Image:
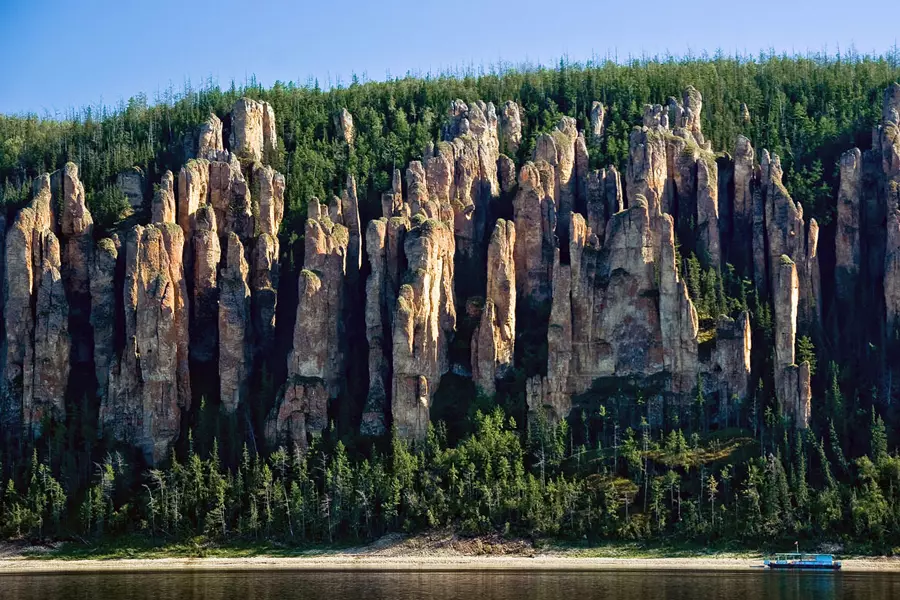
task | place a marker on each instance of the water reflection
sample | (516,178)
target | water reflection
(608,585)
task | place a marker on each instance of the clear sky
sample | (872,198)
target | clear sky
(56,55)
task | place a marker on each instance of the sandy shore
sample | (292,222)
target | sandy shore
(408,563)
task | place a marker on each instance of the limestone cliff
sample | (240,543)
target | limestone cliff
(493,343)
(584,262)
(316,364)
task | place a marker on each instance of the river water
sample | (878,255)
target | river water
(483,585)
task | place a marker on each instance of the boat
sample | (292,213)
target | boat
(803,562)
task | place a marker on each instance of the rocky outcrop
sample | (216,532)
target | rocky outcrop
(708,240)
(162,209)
(350,212)
(343,123)
(792,382)
(36,316)
(786,235)
(268,191)
(103,311)
(234,325)
(510,127)
(316,365)
(193,192)
(892,273)
(378,333)
(424,322)
(744,240)
(598,115)
(230,199)
(726,373)
(76,228)
(619,312)
(253,130)
(647,170)
(493,342)
(534,215)
(847,242)
(557,149)
(209,145)
(475,148)
(206,252)
(133,185)
(143,406)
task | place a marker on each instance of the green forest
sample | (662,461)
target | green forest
(747,478)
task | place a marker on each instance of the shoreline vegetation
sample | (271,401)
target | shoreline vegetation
(436,551)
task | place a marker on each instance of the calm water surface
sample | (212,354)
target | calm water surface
(609,585)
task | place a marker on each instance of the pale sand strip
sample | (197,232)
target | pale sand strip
(409,563)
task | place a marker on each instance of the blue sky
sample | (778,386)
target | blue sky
(56,55)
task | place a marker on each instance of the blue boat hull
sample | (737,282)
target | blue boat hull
(808,567)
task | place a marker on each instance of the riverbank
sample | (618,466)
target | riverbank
(25,565)
(434,551)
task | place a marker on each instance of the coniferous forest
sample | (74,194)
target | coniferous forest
(670,457)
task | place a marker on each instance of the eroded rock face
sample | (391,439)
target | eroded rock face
(619,311)
(511,127)
(230,198)
(378,333)
(103,311)
(36,316)
(598,114)
(143,405)
(234,325)
(343,122)
(162,209)
(253,130)
(206,252)
(493,343)
(892,272)
(557,149)
(535,217)
(210,144)
(647,170)
(76,229)
(727,372)
(475,148)
(847,249)
(792,383)
(424,322)
(708,240)
(786,235)
(316,365)
(743,208)
(193,192)
(133,185)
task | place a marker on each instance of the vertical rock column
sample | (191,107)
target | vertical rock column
(493,342)
(36,316)
(253,131)
(847,249)
(103,312)
(424,322)
(708,240)
(316,365)
(535,221)
(792,383)
(234,325)
(510,127)
(742,214)
(143,405)
(76,228)
(888,141)
(264,267)
(377,330)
